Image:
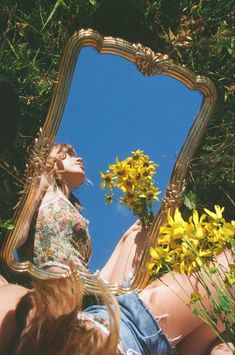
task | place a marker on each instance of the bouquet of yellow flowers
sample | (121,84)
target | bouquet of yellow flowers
(134,178)
(191,248)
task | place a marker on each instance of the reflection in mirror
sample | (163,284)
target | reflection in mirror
(112,109)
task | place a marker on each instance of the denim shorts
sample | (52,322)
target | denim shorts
(139,331)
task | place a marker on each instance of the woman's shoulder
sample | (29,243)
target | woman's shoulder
(54,199)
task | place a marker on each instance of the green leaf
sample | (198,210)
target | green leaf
(6,225)
(57,4)
(190,200)
(224,302)
(216,309)
(196,311)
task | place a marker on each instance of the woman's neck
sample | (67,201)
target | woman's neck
(52,193)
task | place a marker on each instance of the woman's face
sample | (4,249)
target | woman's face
(72,171)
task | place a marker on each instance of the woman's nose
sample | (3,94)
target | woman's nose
(79,159)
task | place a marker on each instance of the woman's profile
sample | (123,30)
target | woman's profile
(58,233)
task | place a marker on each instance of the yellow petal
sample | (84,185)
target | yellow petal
(219,211)
(182,268)
(195,217)
(153,253)
(169,218)
(150,266)
(211,214)
(177,216)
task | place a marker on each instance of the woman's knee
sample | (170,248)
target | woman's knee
(223,349)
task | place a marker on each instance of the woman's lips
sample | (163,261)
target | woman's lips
(82,167)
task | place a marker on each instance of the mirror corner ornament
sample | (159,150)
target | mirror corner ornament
(174,193)
(149,62)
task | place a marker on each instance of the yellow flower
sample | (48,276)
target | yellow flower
(229,233)
(108,198)
(187,259)
(121,168)
(204,255)
(107,180)
(196,219)
(216,236)
(187,263)
(194,298)
(137,154)
(217,216)
(190,247)
(164,239)
(178,219)
(160,256)
(133,176)
(176,228)
(130,199)
(218,211)
(151,194)
(197,224)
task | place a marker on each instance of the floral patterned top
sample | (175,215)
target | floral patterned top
(61,235)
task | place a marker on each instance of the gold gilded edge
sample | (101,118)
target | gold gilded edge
(149,63)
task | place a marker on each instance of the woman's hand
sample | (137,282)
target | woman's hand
(136,229)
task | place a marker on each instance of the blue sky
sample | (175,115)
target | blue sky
(112,110)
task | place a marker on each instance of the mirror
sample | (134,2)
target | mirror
(102,101)
(111,104)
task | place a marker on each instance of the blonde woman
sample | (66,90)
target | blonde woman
(58,233)
(50,320)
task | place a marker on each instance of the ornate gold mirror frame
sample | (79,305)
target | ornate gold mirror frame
(148,63)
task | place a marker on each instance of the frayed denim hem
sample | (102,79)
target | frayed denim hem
(158,319)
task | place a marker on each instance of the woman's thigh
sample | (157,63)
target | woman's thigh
(172,314)
(198,342)
(167,298)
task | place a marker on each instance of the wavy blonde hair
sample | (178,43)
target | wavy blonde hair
(47,321)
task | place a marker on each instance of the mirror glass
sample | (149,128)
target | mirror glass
(112,110)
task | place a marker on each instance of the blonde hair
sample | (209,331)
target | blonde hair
(51,172)
(54,327)
(51,176)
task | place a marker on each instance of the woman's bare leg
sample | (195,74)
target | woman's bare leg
(173,315)
(219,348)
(163,300)
(126,255)
(198,342)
